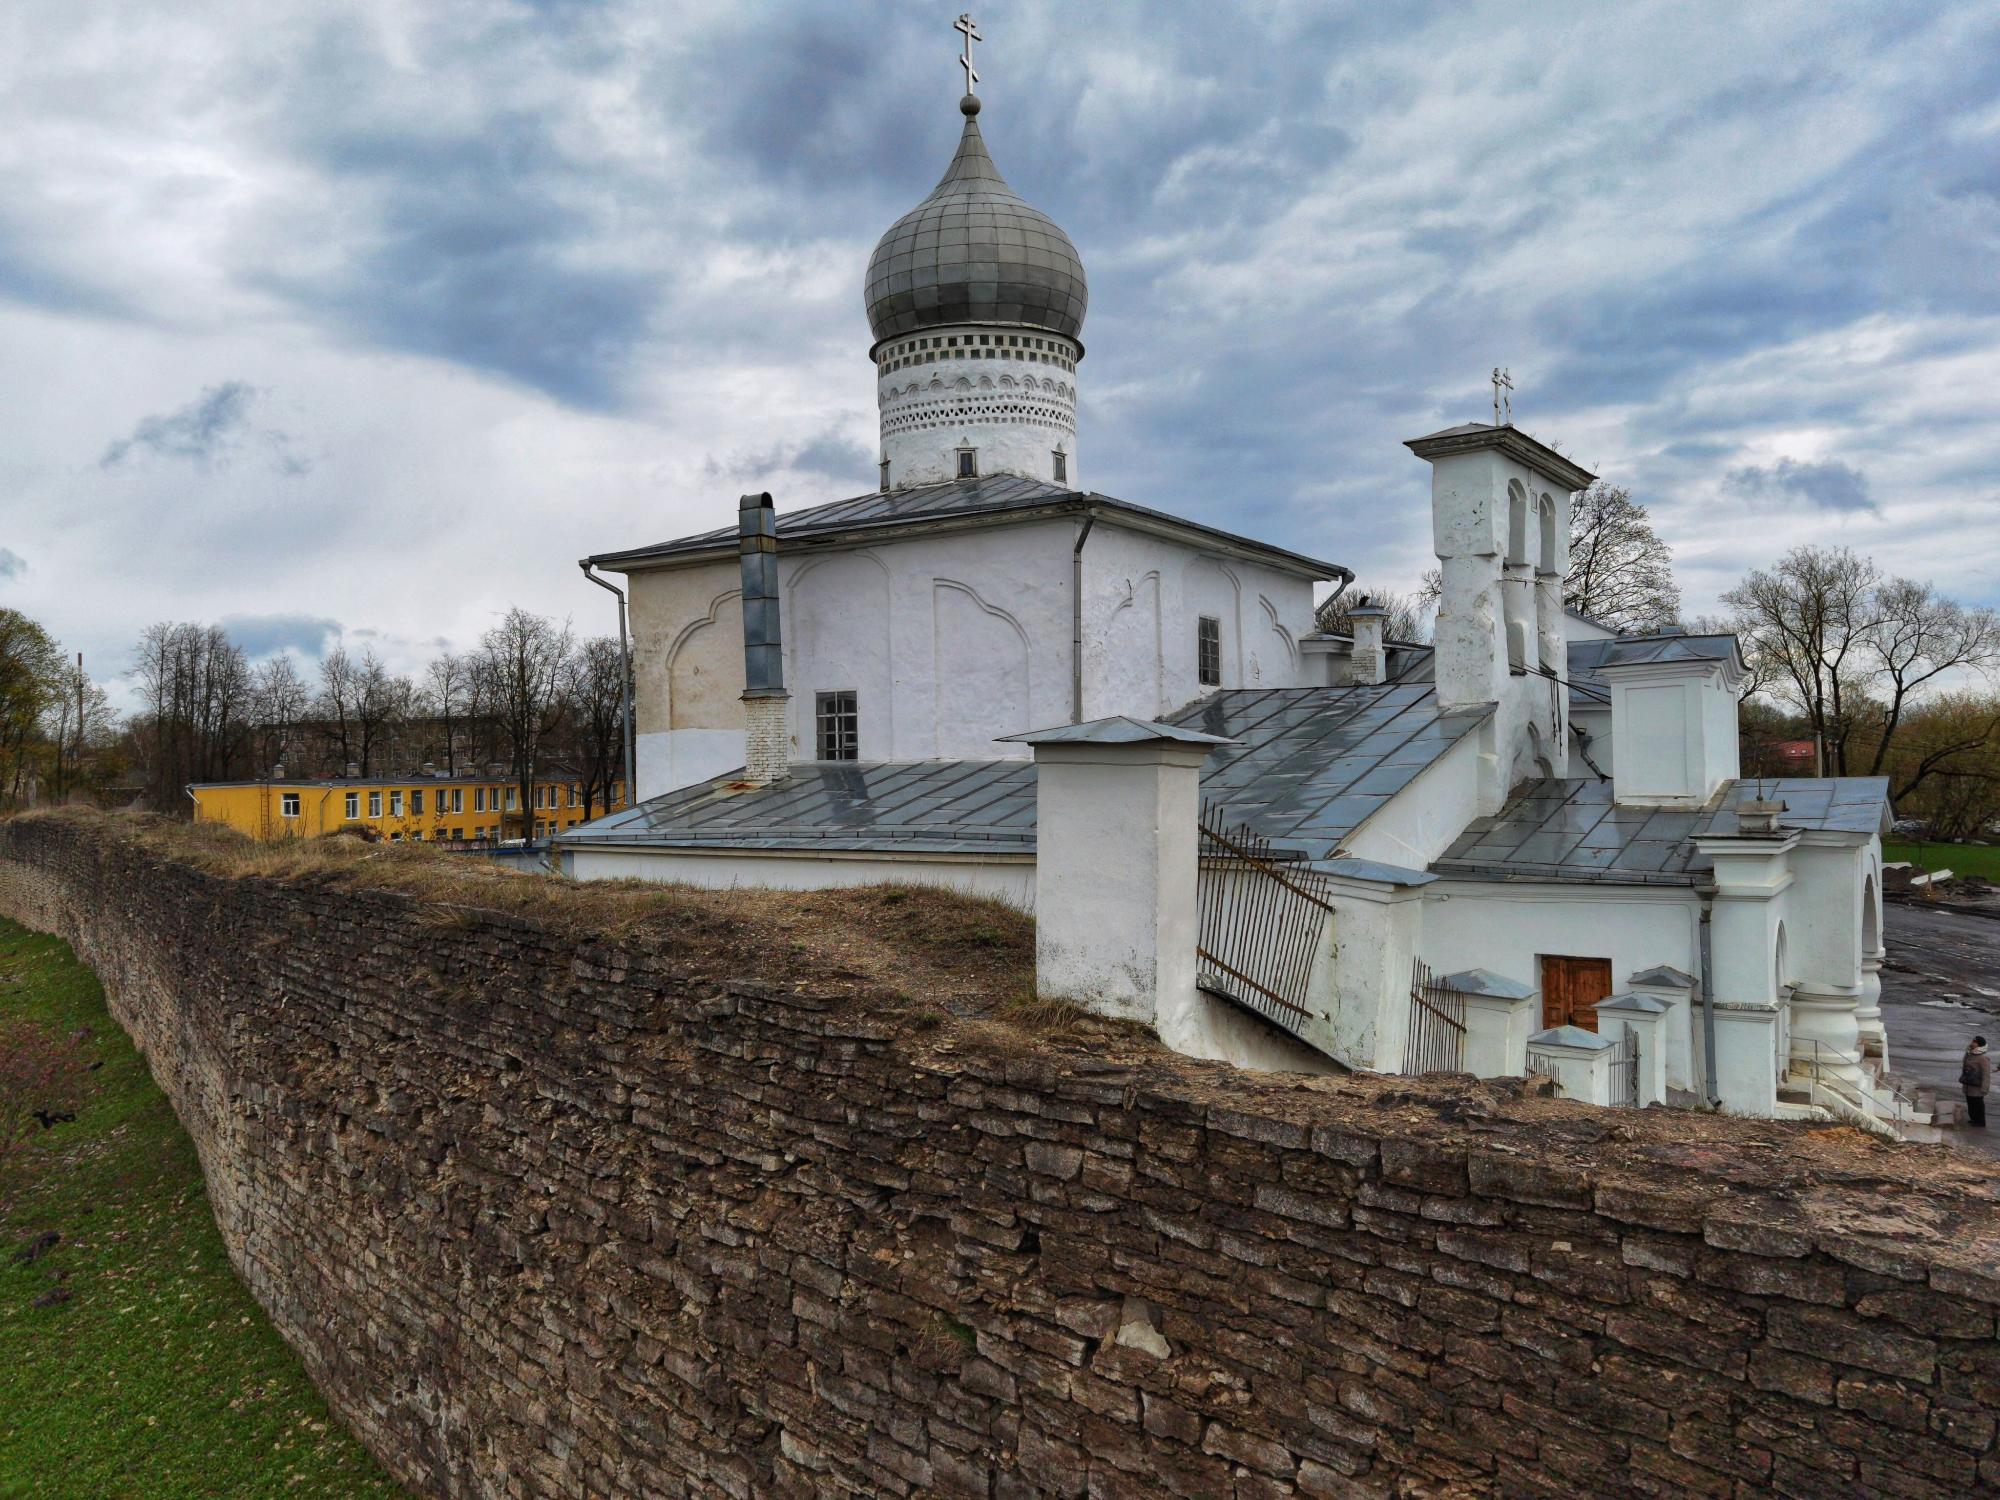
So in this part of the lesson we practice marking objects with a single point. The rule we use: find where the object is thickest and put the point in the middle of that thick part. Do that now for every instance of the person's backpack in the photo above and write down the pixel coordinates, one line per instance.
(1971, 1076)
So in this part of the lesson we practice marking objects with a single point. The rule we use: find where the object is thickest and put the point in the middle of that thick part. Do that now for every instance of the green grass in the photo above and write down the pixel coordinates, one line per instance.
(159, 1377)
(1962, 859)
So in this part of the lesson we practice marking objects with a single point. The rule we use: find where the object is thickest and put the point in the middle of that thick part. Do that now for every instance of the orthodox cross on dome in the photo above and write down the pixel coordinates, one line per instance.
(1503, 388)
(970, 27)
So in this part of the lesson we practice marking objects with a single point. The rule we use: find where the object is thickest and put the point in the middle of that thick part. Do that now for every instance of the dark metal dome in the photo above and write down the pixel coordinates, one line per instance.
(973, 252)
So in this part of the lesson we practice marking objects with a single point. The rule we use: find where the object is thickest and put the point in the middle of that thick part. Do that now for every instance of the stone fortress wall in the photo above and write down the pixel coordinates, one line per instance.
(551, 1214)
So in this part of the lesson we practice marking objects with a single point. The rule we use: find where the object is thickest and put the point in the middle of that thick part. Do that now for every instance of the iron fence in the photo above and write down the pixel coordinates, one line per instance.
(1434, 1041)
(1261, 920)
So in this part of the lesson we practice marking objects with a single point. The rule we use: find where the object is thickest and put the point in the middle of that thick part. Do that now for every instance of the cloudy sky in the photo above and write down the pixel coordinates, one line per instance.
(363, 319)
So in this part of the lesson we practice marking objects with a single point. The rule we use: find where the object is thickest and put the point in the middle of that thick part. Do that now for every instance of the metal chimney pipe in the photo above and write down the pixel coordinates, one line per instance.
(767, 737)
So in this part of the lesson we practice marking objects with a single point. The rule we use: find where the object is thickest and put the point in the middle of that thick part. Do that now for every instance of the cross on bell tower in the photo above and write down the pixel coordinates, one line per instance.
(1503, 397)
(970, 28)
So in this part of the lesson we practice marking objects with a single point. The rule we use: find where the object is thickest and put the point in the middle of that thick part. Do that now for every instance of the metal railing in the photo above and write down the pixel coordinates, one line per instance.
(1261, 919)
(1435, 1039)
(1542, 1065)
(1820, 1064)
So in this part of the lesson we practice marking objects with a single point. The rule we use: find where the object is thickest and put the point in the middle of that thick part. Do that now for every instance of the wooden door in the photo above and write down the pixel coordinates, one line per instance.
(1571, 988)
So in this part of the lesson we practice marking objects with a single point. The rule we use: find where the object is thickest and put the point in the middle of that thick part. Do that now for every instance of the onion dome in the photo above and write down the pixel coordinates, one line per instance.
(973, 252)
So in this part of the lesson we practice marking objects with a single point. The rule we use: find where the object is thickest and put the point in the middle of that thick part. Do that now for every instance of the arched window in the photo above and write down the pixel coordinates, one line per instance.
(1517, 522)
(1549, 535)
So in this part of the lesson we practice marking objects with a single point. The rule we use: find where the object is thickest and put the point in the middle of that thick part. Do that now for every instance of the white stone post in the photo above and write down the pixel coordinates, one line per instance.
(1579, 1060)
(1646, 1019)
(1676, 991)
(1752, 876)
(1498, 1016)
(1117, 851)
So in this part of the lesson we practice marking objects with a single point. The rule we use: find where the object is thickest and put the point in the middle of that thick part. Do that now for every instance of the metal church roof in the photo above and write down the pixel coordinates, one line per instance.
(1309, 766)
(999, 496)
(1572, 830)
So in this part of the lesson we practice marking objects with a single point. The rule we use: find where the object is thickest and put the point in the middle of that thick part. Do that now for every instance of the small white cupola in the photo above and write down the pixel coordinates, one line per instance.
(1673, 717)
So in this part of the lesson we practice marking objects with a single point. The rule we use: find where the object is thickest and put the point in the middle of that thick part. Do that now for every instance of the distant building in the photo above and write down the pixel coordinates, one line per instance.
(428, 809)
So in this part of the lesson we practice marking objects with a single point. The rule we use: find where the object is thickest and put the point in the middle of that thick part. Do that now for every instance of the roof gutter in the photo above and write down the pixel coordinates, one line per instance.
(1076, 617)
(625, 712)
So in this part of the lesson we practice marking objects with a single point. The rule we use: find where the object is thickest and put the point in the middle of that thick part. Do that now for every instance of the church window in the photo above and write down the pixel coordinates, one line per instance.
(985, 338)
(885, 472)
(1208, 650)
(837, 722)
(968, 463)
(954, 341)
(1062, 467)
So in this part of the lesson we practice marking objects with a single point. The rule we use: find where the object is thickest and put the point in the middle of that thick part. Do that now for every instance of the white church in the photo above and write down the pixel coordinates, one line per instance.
(1524, 847)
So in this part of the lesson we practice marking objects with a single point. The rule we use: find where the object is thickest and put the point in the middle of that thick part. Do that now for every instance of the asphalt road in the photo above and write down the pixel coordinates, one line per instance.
(1940, 988)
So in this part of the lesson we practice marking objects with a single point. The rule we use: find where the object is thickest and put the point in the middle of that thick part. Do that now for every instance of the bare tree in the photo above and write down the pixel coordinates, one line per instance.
(1620, 572)
(80, 717)
(524, 668)
(280, 700)
(597, 719)
(339, 702)
(1807, 624)
(446, 679)
(1409, 614)
(197, 688)
(1919, 638)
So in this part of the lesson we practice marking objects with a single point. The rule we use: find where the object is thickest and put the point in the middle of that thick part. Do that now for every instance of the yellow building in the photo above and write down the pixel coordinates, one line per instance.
(434, 809)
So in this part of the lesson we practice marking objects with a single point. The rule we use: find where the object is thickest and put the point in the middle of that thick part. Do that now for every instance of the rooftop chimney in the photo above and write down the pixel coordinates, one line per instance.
(353, 769)
(766, 704)
(1370, 663)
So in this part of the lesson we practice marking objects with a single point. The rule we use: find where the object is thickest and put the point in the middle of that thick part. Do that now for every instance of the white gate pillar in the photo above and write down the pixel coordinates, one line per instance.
(1117, 855)
(1499, 1014)
(1579, 1061)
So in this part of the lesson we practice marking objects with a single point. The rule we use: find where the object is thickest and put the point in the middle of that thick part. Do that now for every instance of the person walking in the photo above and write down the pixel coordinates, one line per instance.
(1975, 1074)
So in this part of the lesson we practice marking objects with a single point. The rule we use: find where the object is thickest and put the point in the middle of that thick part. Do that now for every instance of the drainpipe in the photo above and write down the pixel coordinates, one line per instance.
(1709, 1091)
(1076, 618)
(624, 692)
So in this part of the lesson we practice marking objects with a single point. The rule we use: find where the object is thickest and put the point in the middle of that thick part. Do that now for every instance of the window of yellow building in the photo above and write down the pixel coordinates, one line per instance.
(417, 804)
(457, 803)
(395, 804)
(374, 804)
(288, 804)
(354, 804)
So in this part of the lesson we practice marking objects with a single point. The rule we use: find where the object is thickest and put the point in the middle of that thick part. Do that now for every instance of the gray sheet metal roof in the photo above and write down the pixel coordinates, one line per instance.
(1119, 729)
(1572, 830)
(929, 806)
(1309, 766)
(1312, 764)
(1587, 659)
(995, 495)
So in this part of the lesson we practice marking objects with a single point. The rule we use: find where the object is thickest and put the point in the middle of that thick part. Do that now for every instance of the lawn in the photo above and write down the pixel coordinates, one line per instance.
(1961, 859)
(158, 1377)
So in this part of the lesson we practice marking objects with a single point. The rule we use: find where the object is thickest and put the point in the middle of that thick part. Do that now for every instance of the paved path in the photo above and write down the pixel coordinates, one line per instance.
(1940, 988)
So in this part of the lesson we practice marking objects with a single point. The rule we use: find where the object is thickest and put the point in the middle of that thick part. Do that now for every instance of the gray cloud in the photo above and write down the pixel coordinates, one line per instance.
(12, 564)
(207, 432)
(266, 635)
(833, 455)
(1828, 484)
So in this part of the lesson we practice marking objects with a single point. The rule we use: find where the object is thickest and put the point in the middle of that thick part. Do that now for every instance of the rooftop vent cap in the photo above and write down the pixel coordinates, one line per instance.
(1758, 817)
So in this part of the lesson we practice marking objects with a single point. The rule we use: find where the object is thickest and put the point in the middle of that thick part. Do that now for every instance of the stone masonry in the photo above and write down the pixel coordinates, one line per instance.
(547, 1215)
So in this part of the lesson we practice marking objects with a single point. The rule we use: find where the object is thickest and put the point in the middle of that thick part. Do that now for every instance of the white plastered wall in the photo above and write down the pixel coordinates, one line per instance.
(1143, 596)
(687, 659)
